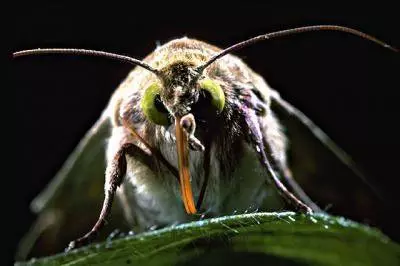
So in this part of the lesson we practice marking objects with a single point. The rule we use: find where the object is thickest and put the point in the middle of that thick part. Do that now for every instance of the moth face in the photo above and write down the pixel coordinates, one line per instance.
(204, 99)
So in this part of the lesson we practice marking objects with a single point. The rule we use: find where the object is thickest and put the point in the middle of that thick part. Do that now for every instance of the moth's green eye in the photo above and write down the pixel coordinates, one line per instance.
(153, 107)
(216, 92)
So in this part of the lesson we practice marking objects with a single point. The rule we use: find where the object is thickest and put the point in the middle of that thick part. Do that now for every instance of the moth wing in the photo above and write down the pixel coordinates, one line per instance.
(319, 165)
(70, 204)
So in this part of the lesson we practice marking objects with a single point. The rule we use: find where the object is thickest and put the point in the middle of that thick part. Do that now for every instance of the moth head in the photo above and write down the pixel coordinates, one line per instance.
(179, 92)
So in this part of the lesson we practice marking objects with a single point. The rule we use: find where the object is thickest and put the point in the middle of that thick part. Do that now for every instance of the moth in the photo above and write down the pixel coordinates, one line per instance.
(191, 131)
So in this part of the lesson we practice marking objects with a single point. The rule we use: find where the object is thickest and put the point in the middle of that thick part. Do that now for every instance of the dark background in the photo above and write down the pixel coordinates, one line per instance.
(345, 84)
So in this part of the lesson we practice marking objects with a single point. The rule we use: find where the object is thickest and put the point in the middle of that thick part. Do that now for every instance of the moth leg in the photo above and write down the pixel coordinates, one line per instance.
(294, 186)
(275, 145)
(256, 138)
(115, 172)
(255, 100)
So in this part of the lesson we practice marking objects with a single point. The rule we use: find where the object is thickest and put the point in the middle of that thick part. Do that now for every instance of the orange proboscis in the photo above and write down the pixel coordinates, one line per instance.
(183, 163)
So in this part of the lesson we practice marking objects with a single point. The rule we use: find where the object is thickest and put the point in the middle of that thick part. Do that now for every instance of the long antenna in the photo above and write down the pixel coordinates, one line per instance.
(123, 58)
(292, 31)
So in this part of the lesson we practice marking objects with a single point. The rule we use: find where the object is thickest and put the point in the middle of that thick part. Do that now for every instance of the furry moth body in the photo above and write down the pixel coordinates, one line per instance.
(158, 190)
(190, 130)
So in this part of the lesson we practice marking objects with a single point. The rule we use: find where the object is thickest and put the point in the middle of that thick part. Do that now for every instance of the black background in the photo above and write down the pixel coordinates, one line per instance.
(345, 84)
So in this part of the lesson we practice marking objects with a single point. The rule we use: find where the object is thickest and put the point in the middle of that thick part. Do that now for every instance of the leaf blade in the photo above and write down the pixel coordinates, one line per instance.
(287, 238)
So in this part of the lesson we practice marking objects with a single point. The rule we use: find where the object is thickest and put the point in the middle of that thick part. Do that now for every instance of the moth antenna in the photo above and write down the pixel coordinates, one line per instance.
(292, 31)
(73, 51)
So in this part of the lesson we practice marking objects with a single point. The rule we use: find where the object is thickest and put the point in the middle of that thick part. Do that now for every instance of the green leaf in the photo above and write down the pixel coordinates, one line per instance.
(283, 238)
